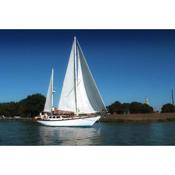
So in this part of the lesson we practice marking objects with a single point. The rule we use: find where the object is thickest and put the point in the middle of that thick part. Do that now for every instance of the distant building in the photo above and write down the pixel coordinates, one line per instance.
(146, 101)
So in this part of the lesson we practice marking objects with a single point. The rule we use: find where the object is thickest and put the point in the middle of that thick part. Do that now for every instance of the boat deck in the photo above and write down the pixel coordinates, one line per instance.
(61, 118)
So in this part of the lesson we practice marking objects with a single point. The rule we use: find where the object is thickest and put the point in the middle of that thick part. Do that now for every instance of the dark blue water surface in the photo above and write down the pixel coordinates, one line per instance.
(19, 132)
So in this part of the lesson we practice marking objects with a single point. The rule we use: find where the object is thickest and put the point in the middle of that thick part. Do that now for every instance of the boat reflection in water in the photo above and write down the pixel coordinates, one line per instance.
(69, 136)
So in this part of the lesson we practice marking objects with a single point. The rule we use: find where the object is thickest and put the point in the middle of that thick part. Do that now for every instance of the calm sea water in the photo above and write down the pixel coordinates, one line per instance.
(16, 132)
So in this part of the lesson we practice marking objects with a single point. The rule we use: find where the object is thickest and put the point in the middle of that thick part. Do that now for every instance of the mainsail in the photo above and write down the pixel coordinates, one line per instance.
(49, 99)
(80, 93)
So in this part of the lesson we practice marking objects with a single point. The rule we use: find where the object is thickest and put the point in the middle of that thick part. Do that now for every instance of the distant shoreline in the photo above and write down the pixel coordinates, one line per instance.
(151, 117)
(132, 118)
(12, 118)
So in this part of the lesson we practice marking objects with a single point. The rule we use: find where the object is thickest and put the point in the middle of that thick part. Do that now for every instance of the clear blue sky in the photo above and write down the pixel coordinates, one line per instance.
(128, 65)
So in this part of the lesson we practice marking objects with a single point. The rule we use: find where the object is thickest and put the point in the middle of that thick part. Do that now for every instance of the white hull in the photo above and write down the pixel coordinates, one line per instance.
(88, 121)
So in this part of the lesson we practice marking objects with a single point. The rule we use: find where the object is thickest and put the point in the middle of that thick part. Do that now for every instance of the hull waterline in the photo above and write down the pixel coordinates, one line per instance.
(89, 121)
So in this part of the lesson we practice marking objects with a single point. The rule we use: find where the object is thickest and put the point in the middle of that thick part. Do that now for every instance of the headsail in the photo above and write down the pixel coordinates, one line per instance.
(67, 99)
(89, 98)
(80, 93)
(49, 99)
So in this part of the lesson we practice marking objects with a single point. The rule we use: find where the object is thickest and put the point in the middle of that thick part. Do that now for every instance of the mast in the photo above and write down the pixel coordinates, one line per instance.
(52, 86)
(172, 96)
(75, 74)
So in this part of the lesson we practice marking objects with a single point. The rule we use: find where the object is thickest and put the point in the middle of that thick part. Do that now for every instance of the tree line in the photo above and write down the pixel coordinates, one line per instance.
(28, 107)
(34, 104)
(126, 108)
(136, 107)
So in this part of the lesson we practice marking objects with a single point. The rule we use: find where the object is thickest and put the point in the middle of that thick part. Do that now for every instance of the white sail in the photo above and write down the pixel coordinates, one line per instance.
(67, 99)
(89, 99)
(49, 99)
(80, 93)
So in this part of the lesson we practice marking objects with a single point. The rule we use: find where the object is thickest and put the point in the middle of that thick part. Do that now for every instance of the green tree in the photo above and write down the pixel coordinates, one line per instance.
(125, 108)
(32, 105)
(136, 107)
(28, 107)
(9, 109)
(168, 108)
(116, 107)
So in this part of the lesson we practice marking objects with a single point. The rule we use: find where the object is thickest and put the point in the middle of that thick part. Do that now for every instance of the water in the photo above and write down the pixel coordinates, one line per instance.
(18, 132)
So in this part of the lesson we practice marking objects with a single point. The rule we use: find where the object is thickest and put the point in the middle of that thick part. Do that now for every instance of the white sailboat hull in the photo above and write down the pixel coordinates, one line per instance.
(86, 121)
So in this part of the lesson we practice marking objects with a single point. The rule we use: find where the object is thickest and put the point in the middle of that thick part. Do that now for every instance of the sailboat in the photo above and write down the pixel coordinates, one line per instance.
(80, 102)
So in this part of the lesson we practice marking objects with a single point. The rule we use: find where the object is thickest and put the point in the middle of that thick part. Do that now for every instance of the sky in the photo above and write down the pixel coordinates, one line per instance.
(128, 65)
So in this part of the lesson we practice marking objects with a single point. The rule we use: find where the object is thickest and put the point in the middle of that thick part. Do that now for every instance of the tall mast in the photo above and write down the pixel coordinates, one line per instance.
(52, 85)
(75, 73)
(172, 96)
